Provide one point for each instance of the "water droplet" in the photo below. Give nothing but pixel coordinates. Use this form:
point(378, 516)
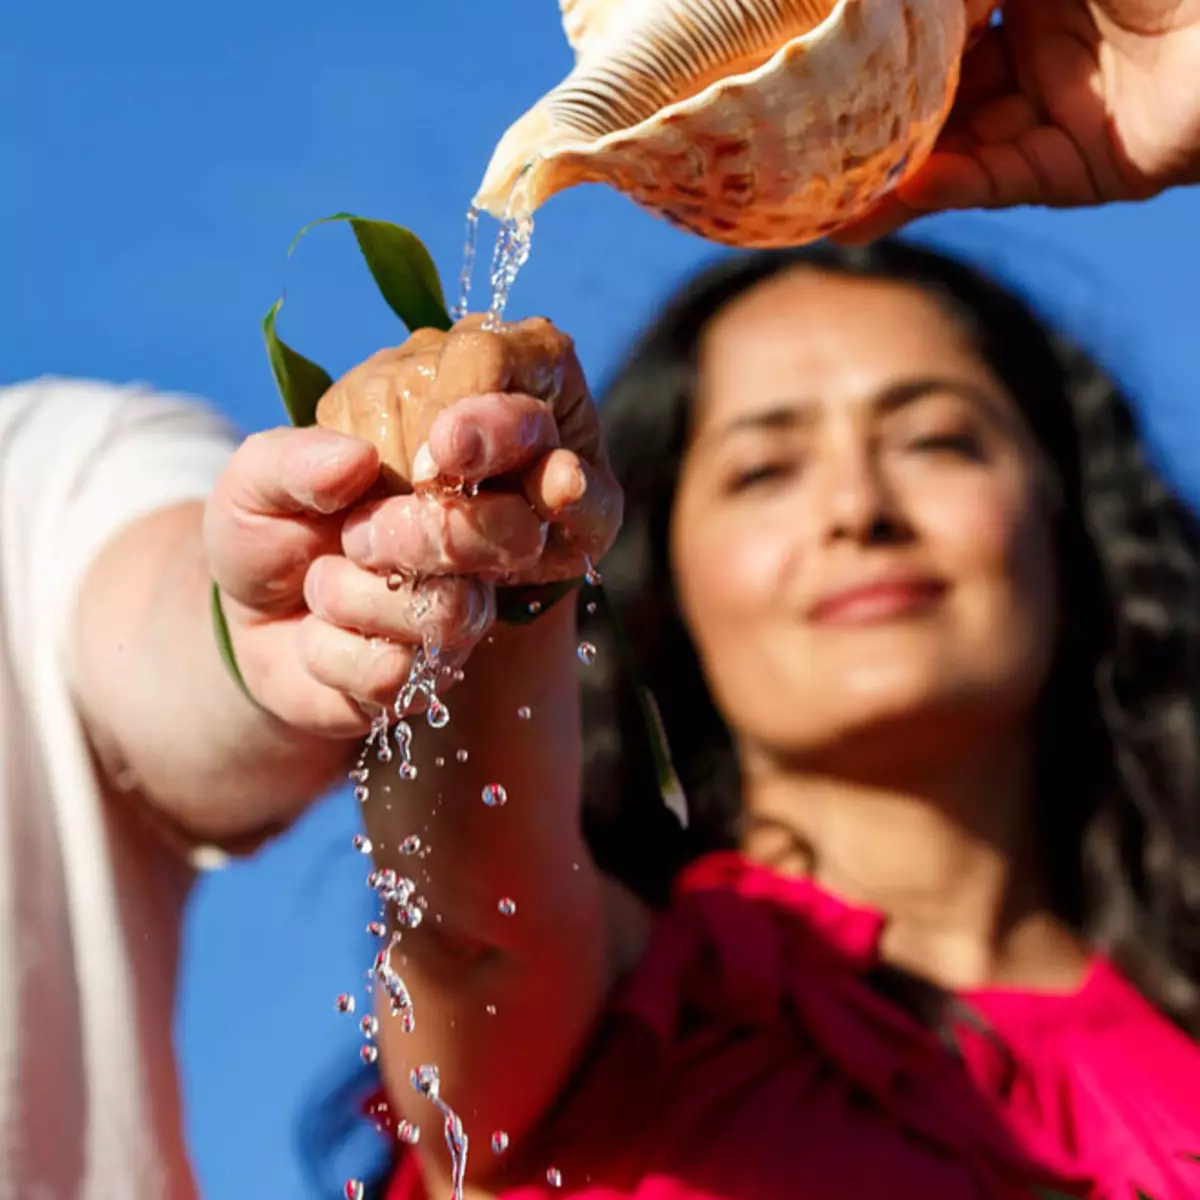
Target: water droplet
point(408, 1133)
point(494, 795)
point(591, 608)
point(462, 755)
point(410, 916)
point(534, 607)
point(377, 929)
point(499, 1142)
point(491, 1010)
point(362, 844)
point(411, 844)
point(459, 675)
point(427, 1080)
point(369, 1026)
point(586, 653)
point(369, 1053)
point(395, 581)
point(437, 714)
point(362, 793)
point(507, 906)
point(524, 712)
point(591, 574)
point(360, 774)
point(344, 1003)
point(354, 1189)
point(408, 771)
point(554, 1177)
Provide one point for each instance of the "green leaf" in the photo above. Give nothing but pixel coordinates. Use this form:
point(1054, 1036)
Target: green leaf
point(301, 382)
point(402, 268)
point(669, 787)
point(225, 645)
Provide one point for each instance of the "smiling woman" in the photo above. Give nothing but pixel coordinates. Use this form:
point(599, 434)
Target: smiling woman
point(921, 623)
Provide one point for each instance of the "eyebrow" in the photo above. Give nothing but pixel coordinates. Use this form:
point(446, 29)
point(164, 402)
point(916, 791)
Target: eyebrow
point(800, 412)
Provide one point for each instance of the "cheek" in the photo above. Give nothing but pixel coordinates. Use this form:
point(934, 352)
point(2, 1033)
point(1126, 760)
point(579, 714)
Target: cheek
point(727, 576)
point(994, 540)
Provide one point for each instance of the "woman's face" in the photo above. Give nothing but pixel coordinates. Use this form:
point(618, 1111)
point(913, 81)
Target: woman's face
point(860, 541)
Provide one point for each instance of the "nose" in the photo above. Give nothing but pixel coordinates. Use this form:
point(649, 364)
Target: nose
point(859, 503)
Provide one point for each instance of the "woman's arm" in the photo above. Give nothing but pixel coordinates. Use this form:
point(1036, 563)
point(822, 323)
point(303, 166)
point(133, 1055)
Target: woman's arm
point(502, 1000)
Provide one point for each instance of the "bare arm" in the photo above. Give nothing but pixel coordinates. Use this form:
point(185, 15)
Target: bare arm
point(503, 1003)
point(160, 707)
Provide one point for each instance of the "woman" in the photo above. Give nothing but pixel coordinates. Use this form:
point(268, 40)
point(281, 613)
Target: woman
point(920, 621)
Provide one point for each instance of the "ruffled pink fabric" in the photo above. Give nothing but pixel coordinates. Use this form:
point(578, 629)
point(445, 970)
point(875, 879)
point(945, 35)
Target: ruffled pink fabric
point(748, 1057)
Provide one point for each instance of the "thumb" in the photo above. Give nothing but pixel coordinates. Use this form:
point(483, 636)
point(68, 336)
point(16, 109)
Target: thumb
point(289, 471)
point(275, 508)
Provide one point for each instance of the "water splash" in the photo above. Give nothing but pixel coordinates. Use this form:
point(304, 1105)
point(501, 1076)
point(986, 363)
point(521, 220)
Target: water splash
point(513, 245)
point(427, 1082)
point(468, 268)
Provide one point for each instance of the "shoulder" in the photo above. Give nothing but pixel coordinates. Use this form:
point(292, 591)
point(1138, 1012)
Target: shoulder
point(82, 460)
point(55, 412)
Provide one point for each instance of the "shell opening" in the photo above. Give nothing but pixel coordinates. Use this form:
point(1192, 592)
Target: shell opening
point(666, 54)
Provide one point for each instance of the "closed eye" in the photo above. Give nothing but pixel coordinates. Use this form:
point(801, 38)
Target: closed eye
point(966, 445)
point(764, 473)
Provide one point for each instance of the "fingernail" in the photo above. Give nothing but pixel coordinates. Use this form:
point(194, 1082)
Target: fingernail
point(424, 469)
point(326, 450)
point(573, 491)
point(358, 542)
point(468, 447)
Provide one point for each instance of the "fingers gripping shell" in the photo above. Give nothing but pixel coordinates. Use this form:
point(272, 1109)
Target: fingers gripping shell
point(393, 399)
point(754, 123)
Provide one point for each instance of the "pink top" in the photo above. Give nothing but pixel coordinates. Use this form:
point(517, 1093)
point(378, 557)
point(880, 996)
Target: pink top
point(749, 1057)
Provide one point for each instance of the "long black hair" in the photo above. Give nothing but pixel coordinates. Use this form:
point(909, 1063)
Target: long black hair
point(1119, 730)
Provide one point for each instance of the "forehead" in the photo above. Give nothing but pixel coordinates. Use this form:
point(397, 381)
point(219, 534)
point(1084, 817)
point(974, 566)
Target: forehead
point(823, 337)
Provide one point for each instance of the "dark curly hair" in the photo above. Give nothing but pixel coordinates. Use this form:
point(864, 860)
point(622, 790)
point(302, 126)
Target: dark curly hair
point(1119, 730)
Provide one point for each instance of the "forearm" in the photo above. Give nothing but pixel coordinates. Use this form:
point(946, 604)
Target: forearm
point(504, 999)
point(515, 723)
point(159, 705)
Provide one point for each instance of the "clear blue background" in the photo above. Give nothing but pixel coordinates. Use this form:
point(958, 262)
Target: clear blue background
point(155, 161)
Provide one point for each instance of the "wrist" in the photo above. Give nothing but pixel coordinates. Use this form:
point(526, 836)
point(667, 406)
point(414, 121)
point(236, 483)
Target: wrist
point(523, 605)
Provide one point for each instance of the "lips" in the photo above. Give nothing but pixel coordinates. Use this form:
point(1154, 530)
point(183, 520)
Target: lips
point(879, 600)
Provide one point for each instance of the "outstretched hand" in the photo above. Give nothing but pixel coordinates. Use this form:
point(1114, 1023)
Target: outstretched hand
point(329, 593)
point(1067, 103)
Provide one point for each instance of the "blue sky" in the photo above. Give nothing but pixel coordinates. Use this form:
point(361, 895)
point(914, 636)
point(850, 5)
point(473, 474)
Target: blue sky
point(155, 162)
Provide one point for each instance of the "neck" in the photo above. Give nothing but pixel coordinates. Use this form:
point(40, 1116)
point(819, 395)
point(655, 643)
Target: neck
point(947, 852)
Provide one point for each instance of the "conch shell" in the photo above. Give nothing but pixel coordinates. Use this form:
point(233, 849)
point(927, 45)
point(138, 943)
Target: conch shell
point(393, 399)
point(755, 123)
